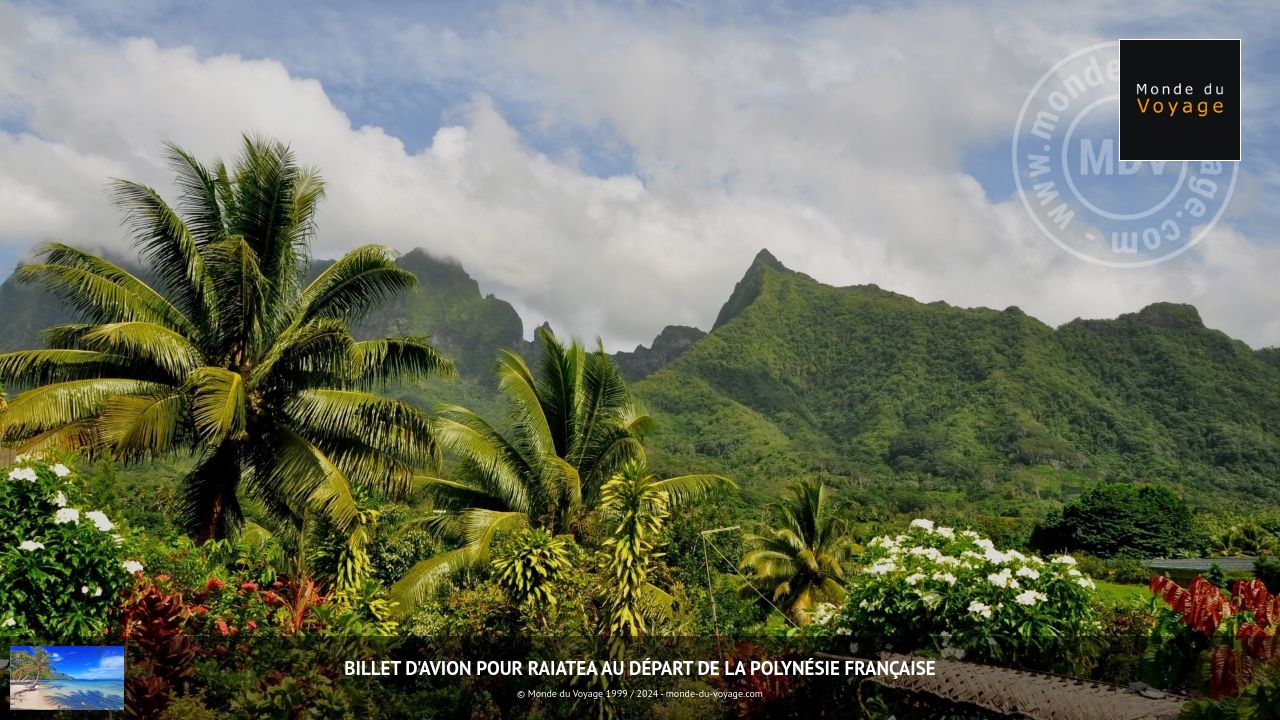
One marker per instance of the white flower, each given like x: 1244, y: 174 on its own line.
x: 1065, y: 560
x: 60, y: 500
x: 844, y: 631
x: 914, y: 579
x: 995, y: 557
x: 1074, y: 572
x: 969, y: 533
x: 31, y: 545
x: 117, y: 538
x: 61, y: 470
x: 100, y: 520
x: 131, y: 566
x: 23, y: 473
x: 9, y: 623
x: 931, y: 598
x: 882, y: 567
x: 84, y: 589
x: 1085, y: 583
x: 980, y: 608
x: 1003, y: 579
x: 946, y: 532
x: 985, y: 544
x: 22, y: 458
x: 945, y: 577
x: 97, y: 592
x: 1027, y: 572
x: 1030, y: 597
x: 1015, y: 555
x: 922, y: 523
x: 66, y: 515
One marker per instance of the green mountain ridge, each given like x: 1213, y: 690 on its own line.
x: 903, y: 402
x: 872, y: 388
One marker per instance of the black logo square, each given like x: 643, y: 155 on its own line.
x: 1180, y: 99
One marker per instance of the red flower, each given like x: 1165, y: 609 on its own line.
x: 222, y: 627
x: 199, y: 609
x: 214, y: 584
x: 251, y: 625
x: 162, y: 577
x: 249, y: 586
x: 277, y: 584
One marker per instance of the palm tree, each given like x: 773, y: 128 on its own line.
x: 230, y: 356
x: 36, y: 665
x: 568, y: 430
x: 800, y: 563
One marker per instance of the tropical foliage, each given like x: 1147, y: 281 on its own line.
x: 568, y: 429
x: 35, y: 666
x: 227, y: 353
x: 62, y: 568
x: 801, y: 562
x: 954, y: 592
x: 1112, y: 519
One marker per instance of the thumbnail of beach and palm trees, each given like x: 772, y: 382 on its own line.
x: 66, y: 677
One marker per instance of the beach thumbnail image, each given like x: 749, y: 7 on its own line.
x: 66, y: 677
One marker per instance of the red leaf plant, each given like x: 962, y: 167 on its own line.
x: 1255, y: 614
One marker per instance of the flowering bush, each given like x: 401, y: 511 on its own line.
x: 953, y: 591
x: 62, y: 569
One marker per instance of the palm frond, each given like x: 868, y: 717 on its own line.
x: 167, y: 248
x: 218, y: 403
x: 360, y: 280
x: 685, y: 489
x: 41, y: 367
x: 378, y: 362
x: 140, y: 427
x: 393, y: 427
x: 52, y: 406
x: 427, y: 575
x: 145, y: 343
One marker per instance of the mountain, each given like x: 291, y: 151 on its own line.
x: 670, y: 344
x: 908, y: 403
x: 902, y: 404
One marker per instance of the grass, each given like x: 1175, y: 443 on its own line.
x: 1120, y: 594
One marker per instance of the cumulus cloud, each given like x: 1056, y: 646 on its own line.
x: 109, y: 667
x: 841, y: 145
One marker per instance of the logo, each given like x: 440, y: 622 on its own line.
x: 1082, y: 196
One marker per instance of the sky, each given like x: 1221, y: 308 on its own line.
x: 84, y: 662
x: 613, y: 167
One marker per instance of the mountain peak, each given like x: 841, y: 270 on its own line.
x: 748, y: 288
x: 764, y: 258
x: 1170, y: 316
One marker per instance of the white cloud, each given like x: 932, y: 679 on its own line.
x: 839, y: 145
x: 109, y: 667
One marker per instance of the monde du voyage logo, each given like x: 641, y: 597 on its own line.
x: 1124, y: 153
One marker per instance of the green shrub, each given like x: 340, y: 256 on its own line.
x: 936, y: 585
x: 1142, y: 521
x: 62, y: 569
x: 1267, y: 569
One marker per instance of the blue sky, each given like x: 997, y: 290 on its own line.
x: 612, y: 167
x: 84, y: 662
